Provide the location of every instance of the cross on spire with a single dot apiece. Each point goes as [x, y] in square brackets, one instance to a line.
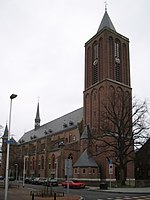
[38, 98]
[106, 5]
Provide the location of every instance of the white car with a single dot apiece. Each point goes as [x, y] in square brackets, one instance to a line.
[39, 181]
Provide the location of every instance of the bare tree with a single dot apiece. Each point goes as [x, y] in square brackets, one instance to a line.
[123, 128]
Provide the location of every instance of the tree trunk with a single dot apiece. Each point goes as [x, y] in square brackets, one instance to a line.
[122, 177]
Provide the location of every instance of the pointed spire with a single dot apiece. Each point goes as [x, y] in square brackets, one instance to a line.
[37, 118]
[37, 112]
[106, 21]
[86, 133]
[5, 136]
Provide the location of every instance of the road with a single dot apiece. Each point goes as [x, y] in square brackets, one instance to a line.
[98, 195]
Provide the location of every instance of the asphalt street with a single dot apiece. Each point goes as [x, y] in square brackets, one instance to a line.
[88, 193]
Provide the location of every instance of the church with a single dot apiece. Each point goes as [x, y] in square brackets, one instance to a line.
[44, 150]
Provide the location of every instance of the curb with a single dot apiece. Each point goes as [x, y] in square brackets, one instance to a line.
[116, 191]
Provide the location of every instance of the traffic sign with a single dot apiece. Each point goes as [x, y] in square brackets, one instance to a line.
[110, 168]
[68, 167]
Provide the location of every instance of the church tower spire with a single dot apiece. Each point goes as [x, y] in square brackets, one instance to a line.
[37, 118]
[107, 69]
[106, 21]
[5, 135]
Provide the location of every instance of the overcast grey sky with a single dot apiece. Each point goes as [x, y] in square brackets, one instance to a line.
[42, 54]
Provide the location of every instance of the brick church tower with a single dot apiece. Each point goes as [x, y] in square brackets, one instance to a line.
[106, 64]
[107, 69]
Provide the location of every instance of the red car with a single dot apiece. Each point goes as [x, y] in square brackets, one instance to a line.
[73, 184]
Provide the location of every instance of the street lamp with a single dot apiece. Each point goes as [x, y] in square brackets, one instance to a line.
[8, 146]
[24, 169]
[56, 173]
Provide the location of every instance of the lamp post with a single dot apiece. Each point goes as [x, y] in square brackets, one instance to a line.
[24, 169]
[56, 174]
[8, 147]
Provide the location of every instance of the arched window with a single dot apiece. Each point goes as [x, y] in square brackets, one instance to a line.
[95, 51]
[117, 48]
[66, 139]
[111, 57]
[70, 156]
[42, 162]
[95, 63]
[39, 166]
[53, 161]
[70, 138]
[117, 60]
[33, 163]
[125, 66]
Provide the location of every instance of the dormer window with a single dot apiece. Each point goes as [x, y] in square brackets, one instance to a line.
[50, 130]
[21, 141]
[70, 123]
[45, 132]
[64, 125]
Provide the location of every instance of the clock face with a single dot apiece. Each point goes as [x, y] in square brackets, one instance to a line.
[117, 60]
[95, 62]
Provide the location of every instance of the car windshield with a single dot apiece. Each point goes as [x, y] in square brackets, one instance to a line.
[75, 181]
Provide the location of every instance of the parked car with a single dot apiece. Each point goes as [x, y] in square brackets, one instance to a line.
[51, 182]
[73, 184]
[39, 181]
[1, 178]
[11, 178]
[28, 180]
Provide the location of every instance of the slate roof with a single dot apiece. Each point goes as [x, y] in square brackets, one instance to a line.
[13, 141]
[65, 122]
[106, 22]
[85, 160]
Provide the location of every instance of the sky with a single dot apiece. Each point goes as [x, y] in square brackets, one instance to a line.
[42, 54]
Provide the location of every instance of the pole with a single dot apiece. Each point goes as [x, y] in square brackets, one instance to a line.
[110, 170]
[56, 176]
[67, 179]
[8, 147]
[24, 169]
[110, 181]
[54, 195]
[33, 196]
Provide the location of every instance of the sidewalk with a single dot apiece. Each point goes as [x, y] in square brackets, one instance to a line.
[144, 190]
[24, 194]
